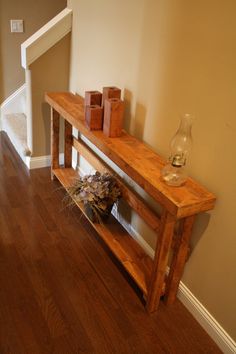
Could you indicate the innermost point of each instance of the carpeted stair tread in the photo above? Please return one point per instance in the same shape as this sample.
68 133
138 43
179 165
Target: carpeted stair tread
15 125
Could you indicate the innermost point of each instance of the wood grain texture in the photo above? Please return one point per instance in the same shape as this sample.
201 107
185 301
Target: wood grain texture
113 117
55 130
61 289
160 261
93 98
68 144
94 117
137 160
110 92
180 255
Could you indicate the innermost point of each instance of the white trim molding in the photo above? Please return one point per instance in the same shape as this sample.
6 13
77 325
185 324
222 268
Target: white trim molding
41 161
29 115
15 103
44 161
38 162
7 105
46 37
206 320
199 312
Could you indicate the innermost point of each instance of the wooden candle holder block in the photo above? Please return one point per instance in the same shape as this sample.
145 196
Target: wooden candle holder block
113 117
94 117
93 98
110 92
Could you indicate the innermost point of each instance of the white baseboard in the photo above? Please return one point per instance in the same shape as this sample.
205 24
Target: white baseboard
207 321
41 161
38 162
44 161
199 312
15 103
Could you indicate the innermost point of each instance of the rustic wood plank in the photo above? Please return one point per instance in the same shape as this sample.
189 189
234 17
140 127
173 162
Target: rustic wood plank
113 117
93 117
137 160
137 263
131 197
68 144
94 160
55 130
179 259
93 98
110 92
160 261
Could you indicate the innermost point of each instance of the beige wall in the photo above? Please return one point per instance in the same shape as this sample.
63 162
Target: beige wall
35 14
171 57
50 72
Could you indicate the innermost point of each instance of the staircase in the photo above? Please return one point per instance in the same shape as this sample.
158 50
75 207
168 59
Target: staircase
14 122
15 126
16 117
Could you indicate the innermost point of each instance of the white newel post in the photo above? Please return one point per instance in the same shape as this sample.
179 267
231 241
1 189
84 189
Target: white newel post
29 110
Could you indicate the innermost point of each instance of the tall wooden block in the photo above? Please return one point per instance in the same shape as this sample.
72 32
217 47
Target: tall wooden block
113 117
110 92
93 98
94 117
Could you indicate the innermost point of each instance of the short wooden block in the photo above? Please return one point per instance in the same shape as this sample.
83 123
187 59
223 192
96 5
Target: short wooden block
110 92
93 98
113 117
93 117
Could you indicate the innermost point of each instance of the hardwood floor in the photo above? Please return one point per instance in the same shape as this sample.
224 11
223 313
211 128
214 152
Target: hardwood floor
61 291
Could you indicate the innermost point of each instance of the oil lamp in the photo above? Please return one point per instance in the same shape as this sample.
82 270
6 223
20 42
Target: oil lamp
173 173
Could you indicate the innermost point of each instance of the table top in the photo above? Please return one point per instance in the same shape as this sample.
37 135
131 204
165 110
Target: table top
137 160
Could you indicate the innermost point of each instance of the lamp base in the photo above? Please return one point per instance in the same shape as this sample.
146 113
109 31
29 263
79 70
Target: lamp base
174 175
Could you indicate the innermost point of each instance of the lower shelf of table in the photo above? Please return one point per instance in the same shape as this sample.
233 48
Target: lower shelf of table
137 263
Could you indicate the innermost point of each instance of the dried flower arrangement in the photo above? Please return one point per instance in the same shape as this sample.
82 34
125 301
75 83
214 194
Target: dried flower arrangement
98 192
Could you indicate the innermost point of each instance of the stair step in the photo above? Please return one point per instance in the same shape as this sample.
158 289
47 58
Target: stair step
15 126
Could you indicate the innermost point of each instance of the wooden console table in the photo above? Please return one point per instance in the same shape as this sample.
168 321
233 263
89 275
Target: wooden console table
179 205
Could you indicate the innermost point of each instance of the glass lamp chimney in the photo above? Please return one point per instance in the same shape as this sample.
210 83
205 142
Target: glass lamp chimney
180 145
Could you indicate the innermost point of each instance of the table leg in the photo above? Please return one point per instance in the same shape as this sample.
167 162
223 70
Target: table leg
160 261
55 130
68 144
178 260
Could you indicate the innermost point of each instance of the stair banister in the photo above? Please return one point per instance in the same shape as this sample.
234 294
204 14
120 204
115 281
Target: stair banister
35 46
